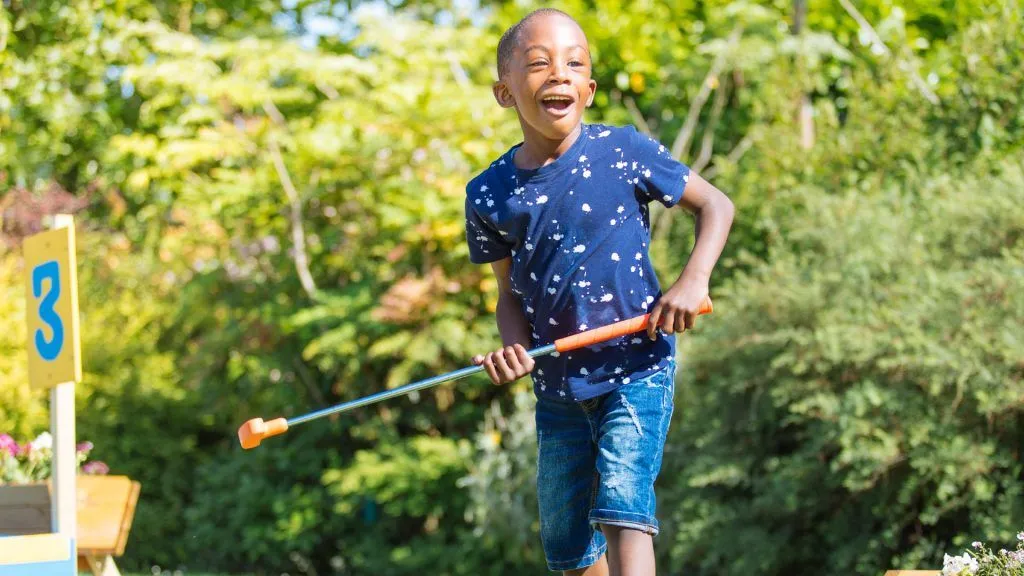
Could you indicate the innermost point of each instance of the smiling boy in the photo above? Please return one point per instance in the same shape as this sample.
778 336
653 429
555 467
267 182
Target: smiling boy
563 220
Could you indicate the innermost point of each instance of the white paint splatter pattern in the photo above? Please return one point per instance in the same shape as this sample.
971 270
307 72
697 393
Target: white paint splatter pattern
589 186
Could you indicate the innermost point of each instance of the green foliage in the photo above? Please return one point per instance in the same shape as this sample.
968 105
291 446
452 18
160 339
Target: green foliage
21 408
502 487
868 374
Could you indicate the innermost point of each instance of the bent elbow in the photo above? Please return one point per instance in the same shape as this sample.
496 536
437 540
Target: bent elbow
727 209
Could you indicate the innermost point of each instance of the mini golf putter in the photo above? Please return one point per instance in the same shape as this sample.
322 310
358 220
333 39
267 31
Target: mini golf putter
254 431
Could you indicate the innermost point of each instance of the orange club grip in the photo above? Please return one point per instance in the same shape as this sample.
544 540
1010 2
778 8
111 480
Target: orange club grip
604 333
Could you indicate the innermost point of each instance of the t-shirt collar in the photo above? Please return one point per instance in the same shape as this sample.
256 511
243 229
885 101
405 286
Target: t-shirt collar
569 159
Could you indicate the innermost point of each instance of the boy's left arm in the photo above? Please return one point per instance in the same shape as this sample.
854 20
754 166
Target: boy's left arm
676 311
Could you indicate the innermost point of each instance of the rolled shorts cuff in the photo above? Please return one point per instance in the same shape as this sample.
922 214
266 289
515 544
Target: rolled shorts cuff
581 562
642 522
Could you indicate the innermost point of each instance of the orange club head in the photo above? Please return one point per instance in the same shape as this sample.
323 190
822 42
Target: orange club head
254 431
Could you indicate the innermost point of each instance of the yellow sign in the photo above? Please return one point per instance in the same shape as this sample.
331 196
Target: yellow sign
54 349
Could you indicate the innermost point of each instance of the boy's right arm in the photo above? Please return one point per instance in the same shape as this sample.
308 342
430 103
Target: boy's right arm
511 362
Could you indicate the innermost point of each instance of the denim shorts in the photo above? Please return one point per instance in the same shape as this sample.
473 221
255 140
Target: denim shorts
597 463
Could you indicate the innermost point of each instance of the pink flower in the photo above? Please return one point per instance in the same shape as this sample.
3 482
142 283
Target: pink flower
96 468
7 444
84 447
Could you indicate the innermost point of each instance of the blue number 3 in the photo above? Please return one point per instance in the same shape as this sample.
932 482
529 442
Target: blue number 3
48 349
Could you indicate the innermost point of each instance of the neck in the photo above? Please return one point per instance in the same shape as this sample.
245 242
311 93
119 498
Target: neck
538 150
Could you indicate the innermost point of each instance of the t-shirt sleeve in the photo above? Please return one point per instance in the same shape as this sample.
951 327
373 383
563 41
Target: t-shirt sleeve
485 243
656 173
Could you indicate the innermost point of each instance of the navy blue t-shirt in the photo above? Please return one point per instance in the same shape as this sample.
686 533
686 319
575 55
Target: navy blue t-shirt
578 231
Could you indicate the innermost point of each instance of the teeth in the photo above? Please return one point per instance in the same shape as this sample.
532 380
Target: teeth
557 98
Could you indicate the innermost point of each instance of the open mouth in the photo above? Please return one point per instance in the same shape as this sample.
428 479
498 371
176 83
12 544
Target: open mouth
557 104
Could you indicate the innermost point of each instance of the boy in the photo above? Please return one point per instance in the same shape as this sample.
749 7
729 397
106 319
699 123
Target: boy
563 220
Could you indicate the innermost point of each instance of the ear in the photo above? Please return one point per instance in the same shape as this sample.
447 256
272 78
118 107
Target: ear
503 95
593 90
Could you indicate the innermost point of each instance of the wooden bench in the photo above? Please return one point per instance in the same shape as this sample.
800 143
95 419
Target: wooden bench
106 507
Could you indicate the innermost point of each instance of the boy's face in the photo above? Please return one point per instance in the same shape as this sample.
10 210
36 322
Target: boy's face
548 77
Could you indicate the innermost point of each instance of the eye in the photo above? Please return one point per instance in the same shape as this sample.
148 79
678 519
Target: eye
575 63
537 63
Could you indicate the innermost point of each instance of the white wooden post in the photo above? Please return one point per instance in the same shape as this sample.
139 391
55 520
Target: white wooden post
62 428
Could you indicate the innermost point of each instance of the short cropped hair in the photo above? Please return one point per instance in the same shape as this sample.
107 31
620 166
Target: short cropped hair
510 39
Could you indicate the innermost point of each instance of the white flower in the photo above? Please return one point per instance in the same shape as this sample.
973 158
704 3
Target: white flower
44 440
955 565
1020 536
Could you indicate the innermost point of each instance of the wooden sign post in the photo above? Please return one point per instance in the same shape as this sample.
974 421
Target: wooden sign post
55 352
55 363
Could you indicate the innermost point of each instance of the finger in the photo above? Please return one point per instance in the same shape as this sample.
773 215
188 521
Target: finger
652 322
477 360
506 373
491 370
690 319
512 359
680 321
668 324
524 359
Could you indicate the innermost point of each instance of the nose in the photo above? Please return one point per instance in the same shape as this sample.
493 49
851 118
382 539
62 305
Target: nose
559 74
